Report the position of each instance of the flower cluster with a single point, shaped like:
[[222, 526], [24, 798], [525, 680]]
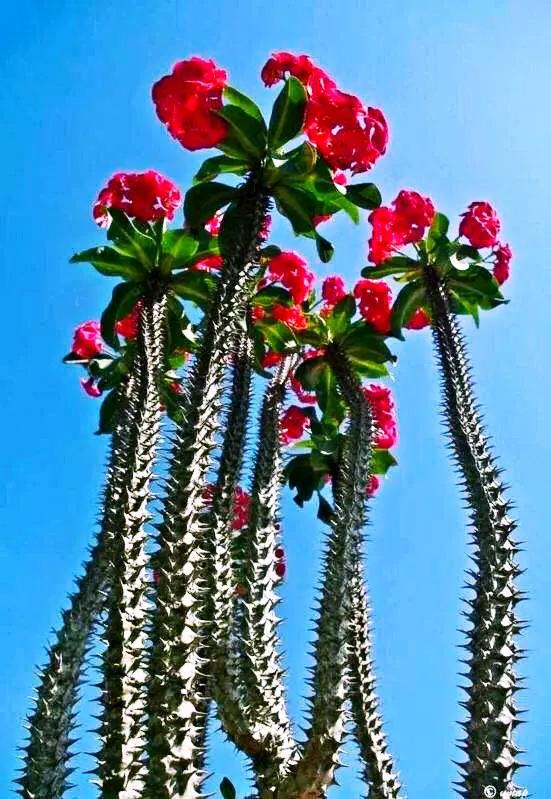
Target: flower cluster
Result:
[[294, 422], [292, 271], [128, 327], [241, 505], [480, 225], [375, 301], [146, 196], [187, 101], [384, 415], [346, 133], [404, 222]]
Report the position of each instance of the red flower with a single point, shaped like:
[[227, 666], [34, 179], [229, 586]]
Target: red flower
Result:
[[346, 133], [375, 303], [384, 418], [187, 101], [404, 223], [480, 225], [373, 485], [147, 196], [501, 264], [212, 226], [266, 227], [90, 387], [280, 568], [241, 508], [271, 359], [175, 387], [208, 263], [87, 340], [129, 325], [418, 320], [292, 317], [333, 289], [307, 397], [257, 313], [282, 64], [293, 424], [321, 218], [340, 179], [292, 272]]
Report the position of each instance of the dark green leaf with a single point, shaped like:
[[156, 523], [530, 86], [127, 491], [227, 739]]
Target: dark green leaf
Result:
[[309, 372], [271, 295], [195, 285], [270, 251], [247, 130], [133, 237], [235, 97], [226, 789], [325, 248], [381, 461], [466, 251], [364, 195], [202, 201], [123, 299], [411, 297], [277, 335], [108, 261], [108, 413], [299, 207], [299, 163], [325, 511], [342, 314], [398, 265], [287, 116], [179, 247], [220, 164]]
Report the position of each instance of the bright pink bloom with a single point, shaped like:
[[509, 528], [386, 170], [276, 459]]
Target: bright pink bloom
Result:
[[480, 224], [258, 313], [418, 320], [187, 101], [280, 568], [90, 387], [212, 226], [375, 300], [502, 262], [307, 397], [241, 508], [87, 341], [271, 359], [147, 196], [129, 325], [333, 289], [384, 416], [292, 317], [208, 263], [280, 65], [346, 133], [293, 424], [373, 485], [404, 223], [292, 272], [321, 218], [384, 237], [266, 227], [340, 179]]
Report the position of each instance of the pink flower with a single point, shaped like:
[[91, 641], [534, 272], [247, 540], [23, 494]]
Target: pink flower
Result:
[[187, 101], [404, 223], [147, 196], [375, 300], [208, 263], [129, 325], [293, 424], [90, 387], [373, 485], [271, 359], [292, 317], [282, 64], [292, 272], [418, 320], [242, 508], [265, 228], [87, 341], [503, 256], [212, 226], [307, 397], [480, 225], [333, 289], [384, 416]]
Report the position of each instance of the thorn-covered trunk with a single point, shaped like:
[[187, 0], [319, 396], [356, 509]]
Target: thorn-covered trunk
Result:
[[492, 716]]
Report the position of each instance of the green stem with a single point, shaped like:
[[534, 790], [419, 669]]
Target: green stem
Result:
[[51, 724], [121, 767], [179, 669], [491, 644]]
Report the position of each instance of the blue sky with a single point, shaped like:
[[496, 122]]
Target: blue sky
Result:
[[465, 88]]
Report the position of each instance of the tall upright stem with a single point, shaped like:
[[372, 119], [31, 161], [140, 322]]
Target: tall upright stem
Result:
[[493, 651], [179, 669]]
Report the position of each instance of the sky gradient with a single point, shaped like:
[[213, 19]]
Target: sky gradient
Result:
[[465, 88]]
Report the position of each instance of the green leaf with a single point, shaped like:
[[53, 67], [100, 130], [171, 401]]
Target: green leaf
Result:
[[325, 510], [227, 790], [437, 241], [108, 413], [474, 286], [123, 299], [270, 251], [466, 251], [364, 195], [248, 131], [271, 295], [133, 237], [179, 247], [299, 163], [299, 207], [398, 265], [108, 261], [366, 350], [411, 297], [309, 372], [381, 461], [325, 248], [277, 335], [220, 164], [235, 97], [340, 317], [440, 225], [202, 201], [287, 116], [195, 285]]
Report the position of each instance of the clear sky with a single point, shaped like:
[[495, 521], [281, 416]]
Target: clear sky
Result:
[[465, 87]]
